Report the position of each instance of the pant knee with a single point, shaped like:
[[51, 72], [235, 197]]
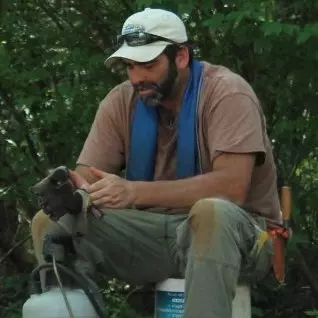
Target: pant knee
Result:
[[210, 225], [208, 213]]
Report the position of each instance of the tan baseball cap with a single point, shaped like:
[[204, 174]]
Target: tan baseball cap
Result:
[[147, 33]]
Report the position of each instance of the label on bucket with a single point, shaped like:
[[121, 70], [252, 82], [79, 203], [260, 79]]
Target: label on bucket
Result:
[[169, 304]]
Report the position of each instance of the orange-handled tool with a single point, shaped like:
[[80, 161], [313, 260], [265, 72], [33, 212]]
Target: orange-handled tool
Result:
[[280, 235], [286, 205]]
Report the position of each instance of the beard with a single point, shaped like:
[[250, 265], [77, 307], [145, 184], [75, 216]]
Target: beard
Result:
[[162, 91]]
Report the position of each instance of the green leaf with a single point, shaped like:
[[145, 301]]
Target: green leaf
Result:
[[271, 28], [215, 22], [303, 37], [312, 313], [290, 29]]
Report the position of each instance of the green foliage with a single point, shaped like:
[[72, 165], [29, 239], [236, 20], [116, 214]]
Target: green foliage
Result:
[[115, 295], [13, 294], [312, 313], [52, 79]]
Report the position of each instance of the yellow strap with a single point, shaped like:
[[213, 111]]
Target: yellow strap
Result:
[[264, 236]]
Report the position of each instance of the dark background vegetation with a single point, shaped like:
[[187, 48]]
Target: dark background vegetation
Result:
[[52, 79]]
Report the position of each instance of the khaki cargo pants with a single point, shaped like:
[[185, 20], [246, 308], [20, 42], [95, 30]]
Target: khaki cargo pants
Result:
[[213, 247]]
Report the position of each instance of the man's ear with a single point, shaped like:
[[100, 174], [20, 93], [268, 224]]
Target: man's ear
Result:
[[182, 58]]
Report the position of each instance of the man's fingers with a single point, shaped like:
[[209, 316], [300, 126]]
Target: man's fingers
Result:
[[96, 186], [103, 202], [78, 180], [96, 195], [97, 173], [106, 203]]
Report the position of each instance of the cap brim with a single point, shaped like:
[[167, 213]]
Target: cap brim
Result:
[[141, 54]]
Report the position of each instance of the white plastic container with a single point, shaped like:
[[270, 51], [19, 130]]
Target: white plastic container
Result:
[[169, 300], [51, 304]]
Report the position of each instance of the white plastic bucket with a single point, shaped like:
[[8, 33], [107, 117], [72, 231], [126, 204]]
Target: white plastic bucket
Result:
[[169, 298]]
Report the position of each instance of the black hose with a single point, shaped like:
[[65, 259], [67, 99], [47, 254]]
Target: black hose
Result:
[[79, 278]]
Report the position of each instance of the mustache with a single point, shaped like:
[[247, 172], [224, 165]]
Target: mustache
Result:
[[141, 86]]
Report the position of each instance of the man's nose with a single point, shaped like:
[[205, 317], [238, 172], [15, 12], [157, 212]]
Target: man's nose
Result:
[[137, 75]]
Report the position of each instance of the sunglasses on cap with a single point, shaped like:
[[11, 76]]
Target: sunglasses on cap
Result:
[[140, 39]]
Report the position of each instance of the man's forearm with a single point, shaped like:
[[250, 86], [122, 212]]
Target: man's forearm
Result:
[[184, 193]]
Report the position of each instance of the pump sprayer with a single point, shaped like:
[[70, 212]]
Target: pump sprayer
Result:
[[71, 298], [67, 293]]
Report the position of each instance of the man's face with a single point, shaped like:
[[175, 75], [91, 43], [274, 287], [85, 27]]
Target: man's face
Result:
[[153, 81]]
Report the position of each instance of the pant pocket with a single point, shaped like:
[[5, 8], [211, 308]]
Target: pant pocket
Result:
[[259, 259]]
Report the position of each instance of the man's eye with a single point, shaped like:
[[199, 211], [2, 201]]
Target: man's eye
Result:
[[126, 65], [120, 66], [149, 65]]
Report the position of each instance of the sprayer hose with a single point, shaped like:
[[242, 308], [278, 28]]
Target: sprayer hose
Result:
[[79, 278]]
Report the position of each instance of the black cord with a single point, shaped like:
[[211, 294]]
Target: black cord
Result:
[[79, 278]]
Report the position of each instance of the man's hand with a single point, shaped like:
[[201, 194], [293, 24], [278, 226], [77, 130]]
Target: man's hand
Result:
[[78, 180], [111, 191]]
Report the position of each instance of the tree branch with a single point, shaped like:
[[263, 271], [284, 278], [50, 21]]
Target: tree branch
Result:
[[51, 11], [10, 251], [21, 120], [51, 16]]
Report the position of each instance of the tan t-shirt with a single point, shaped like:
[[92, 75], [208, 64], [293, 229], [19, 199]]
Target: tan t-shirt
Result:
[[230, 120]]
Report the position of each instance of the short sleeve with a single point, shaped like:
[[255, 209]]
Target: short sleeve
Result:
[[104, 145], [236, 125]]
